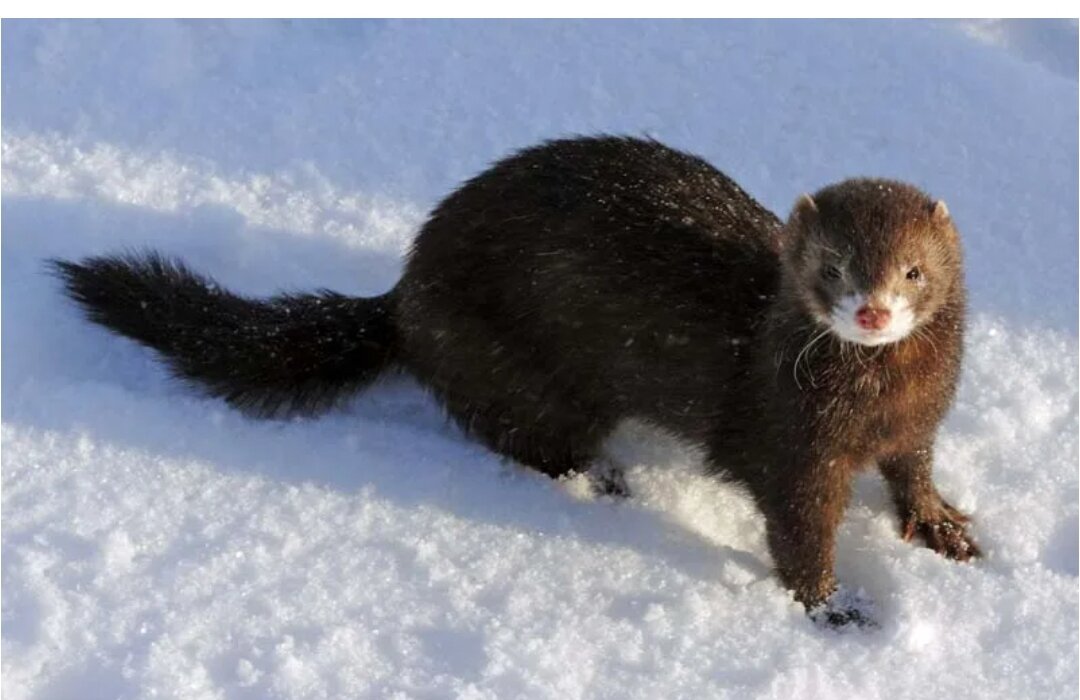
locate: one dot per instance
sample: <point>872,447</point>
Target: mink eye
<point>831,272</point>
<point>914,274</point>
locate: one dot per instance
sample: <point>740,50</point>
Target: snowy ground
<point>156,544</point>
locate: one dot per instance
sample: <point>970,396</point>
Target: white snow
<point>157,544</point>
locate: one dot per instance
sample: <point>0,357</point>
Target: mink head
<point>873,260</point>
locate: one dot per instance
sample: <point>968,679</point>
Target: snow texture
<point>157,544</point>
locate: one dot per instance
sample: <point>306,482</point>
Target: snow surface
<point>157,544</point>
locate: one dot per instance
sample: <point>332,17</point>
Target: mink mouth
<point>898,323</point>
<point>868,338</point>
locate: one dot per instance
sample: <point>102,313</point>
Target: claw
<point>909,530</point>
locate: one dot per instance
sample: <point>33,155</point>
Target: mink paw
<point>844,610</point>
<point>608,479</point>
<point>944,531</point>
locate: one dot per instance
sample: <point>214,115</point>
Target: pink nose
<point>871,318</point>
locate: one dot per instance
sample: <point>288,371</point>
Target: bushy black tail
<point>291,354</point>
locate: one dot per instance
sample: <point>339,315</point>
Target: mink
<point>586,281</point>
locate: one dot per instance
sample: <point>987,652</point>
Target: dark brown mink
<point>585,281</point>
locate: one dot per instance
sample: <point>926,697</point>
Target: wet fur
<point>586,281</point>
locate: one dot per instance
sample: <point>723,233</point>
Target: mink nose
<point>872,318</point>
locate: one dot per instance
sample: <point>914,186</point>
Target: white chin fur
<point>842,320</point>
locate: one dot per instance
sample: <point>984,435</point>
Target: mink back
<point>634,273</point>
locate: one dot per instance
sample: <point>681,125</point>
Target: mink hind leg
<point>502,391</point>
<point>553,434</point>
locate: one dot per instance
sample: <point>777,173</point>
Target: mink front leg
<point>803,507</point>
<point>921,508</point>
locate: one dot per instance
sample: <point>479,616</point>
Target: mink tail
<point>287,355</point>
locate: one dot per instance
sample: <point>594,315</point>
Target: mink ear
<point>804,214</point>
<point>805,206</point>
<point>940,212</point>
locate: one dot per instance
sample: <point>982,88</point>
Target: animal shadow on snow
<point>67,375</point>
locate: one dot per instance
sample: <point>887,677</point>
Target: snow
<point>157,544</point>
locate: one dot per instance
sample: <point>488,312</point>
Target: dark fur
<point>585,281</point>
<point>289,354</point>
